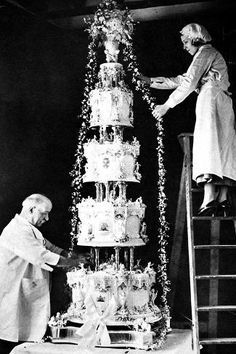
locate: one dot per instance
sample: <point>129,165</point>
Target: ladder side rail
<point>176,249</point>
<point>190,235</point>
<point>214,270</point>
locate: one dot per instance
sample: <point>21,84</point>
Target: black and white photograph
<point>117,176</point>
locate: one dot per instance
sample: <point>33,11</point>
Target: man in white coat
<point>25,262</point>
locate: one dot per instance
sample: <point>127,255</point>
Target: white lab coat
<point>24,282</point>
<point>214,145</point>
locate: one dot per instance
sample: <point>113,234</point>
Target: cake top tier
<point>111,75</point>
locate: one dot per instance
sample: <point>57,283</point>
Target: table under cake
<point>178,342</point>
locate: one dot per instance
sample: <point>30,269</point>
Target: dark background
<point>42,70</point>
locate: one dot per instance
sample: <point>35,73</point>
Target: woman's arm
<point>200,64</point>
<point>165,83</point>
<point>160,82</point>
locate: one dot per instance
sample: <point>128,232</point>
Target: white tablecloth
<point>178,342</point>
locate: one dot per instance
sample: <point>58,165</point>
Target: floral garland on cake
<point>163,229</point>
<point>76,173</point>
<point>110,19</point>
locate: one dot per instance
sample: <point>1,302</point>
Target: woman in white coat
<point>214,143</point>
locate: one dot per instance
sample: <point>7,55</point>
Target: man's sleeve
<point>25,245</point>
<point>51,247</point>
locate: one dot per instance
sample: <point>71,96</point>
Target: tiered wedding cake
<point>111,220</point>
<point>119,292</point>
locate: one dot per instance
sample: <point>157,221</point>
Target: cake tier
<point>123,295</point>
<point>111,107</point>
<point>108,222</point>
<point>111,75</point>
<point>111,161</point>
<point>111,101</point>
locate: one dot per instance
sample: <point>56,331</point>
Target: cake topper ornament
<point>110,27</point>
<point>110,21</point>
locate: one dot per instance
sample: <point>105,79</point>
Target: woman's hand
<point>144,79</point>
<point>160,110</point>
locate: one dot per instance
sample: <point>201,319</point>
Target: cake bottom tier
<point>122,320</point>
<point>120,336</point>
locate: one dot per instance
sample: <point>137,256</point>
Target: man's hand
<point>160,110</point>
<point>75,261</point>
<point>84,258</point>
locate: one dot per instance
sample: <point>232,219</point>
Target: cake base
<point>96,243</point>
<point>121,337</point>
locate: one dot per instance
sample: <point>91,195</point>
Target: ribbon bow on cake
<point>94,331</point>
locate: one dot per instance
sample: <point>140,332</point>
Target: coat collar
<point>22,220</point>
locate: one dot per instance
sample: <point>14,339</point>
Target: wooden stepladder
<point>204,246</point>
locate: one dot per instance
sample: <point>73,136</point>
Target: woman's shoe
<point>224,208</point>
<point>210,209</point>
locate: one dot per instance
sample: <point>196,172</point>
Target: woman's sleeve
<point>168,83</point>
<point>200,64</point>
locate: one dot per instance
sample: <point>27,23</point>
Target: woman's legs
<point>215,202</point>
<point>209,193</point>
<point>222,196</point>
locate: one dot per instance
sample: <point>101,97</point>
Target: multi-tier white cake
<point>110,163</point>
<point>117,292</point>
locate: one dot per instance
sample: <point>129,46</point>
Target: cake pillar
<point>117,257</point>
<point>107,191</point>
<point>92,255</point>
<point>96,258</point>
<point>131,258</point>
<point>97,192</point>
<point>126,258</point>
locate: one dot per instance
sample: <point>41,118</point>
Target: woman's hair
<point>197,33</point>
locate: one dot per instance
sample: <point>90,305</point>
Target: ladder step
<point>217,308</point>
<point>214,218</point>
<point>209,341</point>
<point>205,247</point>
<point>216,276</point>
<point>196,190</point>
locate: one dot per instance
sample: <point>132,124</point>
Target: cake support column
<point>92,257</point>
<point>117,257</point>
<point>131,257</point>
<point>97,258</point>
<point>126,258</point>
<point>97,192</point>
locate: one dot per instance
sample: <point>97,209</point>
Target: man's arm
<point>53,248</point>
<point>58,250</point>
<point>73,262</point>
